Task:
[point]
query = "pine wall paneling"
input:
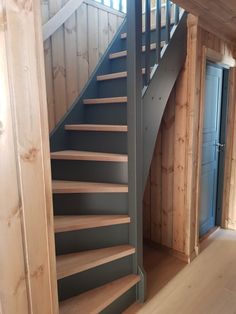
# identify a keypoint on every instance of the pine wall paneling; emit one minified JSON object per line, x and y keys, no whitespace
{"x":173,"y":187}
{"x":72,"y":52}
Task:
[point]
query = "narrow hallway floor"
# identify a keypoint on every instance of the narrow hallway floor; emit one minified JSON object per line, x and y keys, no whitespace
{"x":206,"y":286}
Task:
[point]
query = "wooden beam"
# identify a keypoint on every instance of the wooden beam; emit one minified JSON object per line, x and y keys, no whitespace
{"x":219,"y":58}
{"x":13,"y":285}
{"x":168,"y":129}
{"x":180,"y":138}
{"x":194,"y":44}
{"x":60,"y":17}
{"x":26,"y":216}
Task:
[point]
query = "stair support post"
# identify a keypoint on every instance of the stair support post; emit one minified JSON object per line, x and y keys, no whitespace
{"x":147,"y":41}
{"x":168,"y":14}
{"x":135,"y":141}
{"x":158,"y":30}
{"x":176,"y":14}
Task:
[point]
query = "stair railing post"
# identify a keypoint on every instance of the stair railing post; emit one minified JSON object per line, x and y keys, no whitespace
{"x":168,"y":13}
{"x":120,"y":6}
{"x":147,"y":40}
{"x":135,"y":134}
{"x":158,"y":31}
{"x":176,"y":14}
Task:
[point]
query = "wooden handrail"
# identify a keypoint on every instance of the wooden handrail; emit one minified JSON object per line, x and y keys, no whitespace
{"x":60,"y":17}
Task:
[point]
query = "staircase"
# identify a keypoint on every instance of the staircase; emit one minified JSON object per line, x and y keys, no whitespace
{"x":97,"y":263}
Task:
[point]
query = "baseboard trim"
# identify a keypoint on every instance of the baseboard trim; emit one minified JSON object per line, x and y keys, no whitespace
{"x":204,"y":241}
{"x":208,"y":234}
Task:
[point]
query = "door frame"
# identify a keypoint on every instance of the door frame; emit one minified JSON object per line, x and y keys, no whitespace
{"x":227,"y":63}
{"x":222,"y":139}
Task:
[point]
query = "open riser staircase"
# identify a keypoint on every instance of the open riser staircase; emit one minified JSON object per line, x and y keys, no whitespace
{"x":97,"y":263}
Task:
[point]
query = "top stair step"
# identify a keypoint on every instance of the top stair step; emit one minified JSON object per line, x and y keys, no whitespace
{"x":88,"y":156}
{"x":109,"y":100}
{"x":96,"y":300}
{"x":96,"y":127}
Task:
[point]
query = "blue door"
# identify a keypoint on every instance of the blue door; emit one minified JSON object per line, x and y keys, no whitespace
{"x":210,"y":147}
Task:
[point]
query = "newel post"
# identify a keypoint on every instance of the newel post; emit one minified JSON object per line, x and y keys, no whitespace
{"x":135,"y":141}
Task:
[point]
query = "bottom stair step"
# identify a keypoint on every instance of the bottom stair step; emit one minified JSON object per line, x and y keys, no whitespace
{"x":96,"y":300}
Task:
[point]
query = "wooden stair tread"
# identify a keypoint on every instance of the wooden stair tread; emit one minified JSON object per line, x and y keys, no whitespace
{"x":89,"y":156}
{"x":96,"y":127}
{"x":119,"y":54}
{"x":123,"y":53}
{"x":124,"y":35}
{"x":61,"y":187}
{"x":80,"y":222}
{"x":108,"y":100}
{"x":74,"y":263}
{"x":113,"y":76}
{"x":96,"y":300}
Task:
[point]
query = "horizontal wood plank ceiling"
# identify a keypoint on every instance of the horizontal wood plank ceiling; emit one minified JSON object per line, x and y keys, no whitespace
{"x":218,"y":16}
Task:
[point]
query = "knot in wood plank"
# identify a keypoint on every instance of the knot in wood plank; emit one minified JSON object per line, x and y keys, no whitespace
{"x":30,"y":155}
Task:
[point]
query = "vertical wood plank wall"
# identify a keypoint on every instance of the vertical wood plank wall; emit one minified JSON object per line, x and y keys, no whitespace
{"x":170,"y":198}
{"x":164,"y":199}
{"x":28,"y":271}
{"x":73,"y":51}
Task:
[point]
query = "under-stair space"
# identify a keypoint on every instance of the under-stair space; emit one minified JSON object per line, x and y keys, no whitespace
{"x":161,"y":269}
{"x":164,"y":222}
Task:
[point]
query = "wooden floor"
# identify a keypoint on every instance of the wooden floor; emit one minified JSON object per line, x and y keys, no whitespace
{"x":207,"y":286}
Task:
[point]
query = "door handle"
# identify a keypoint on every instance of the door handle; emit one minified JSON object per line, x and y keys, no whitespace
{"x":220,"y":145}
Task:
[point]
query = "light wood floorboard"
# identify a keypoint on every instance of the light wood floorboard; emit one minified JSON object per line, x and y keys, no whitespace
{"x":206,"y":286}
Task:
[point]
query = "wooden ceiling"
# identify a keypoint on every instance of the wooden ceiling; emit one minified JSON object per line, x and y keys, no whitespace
{"x":218,"y":16}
